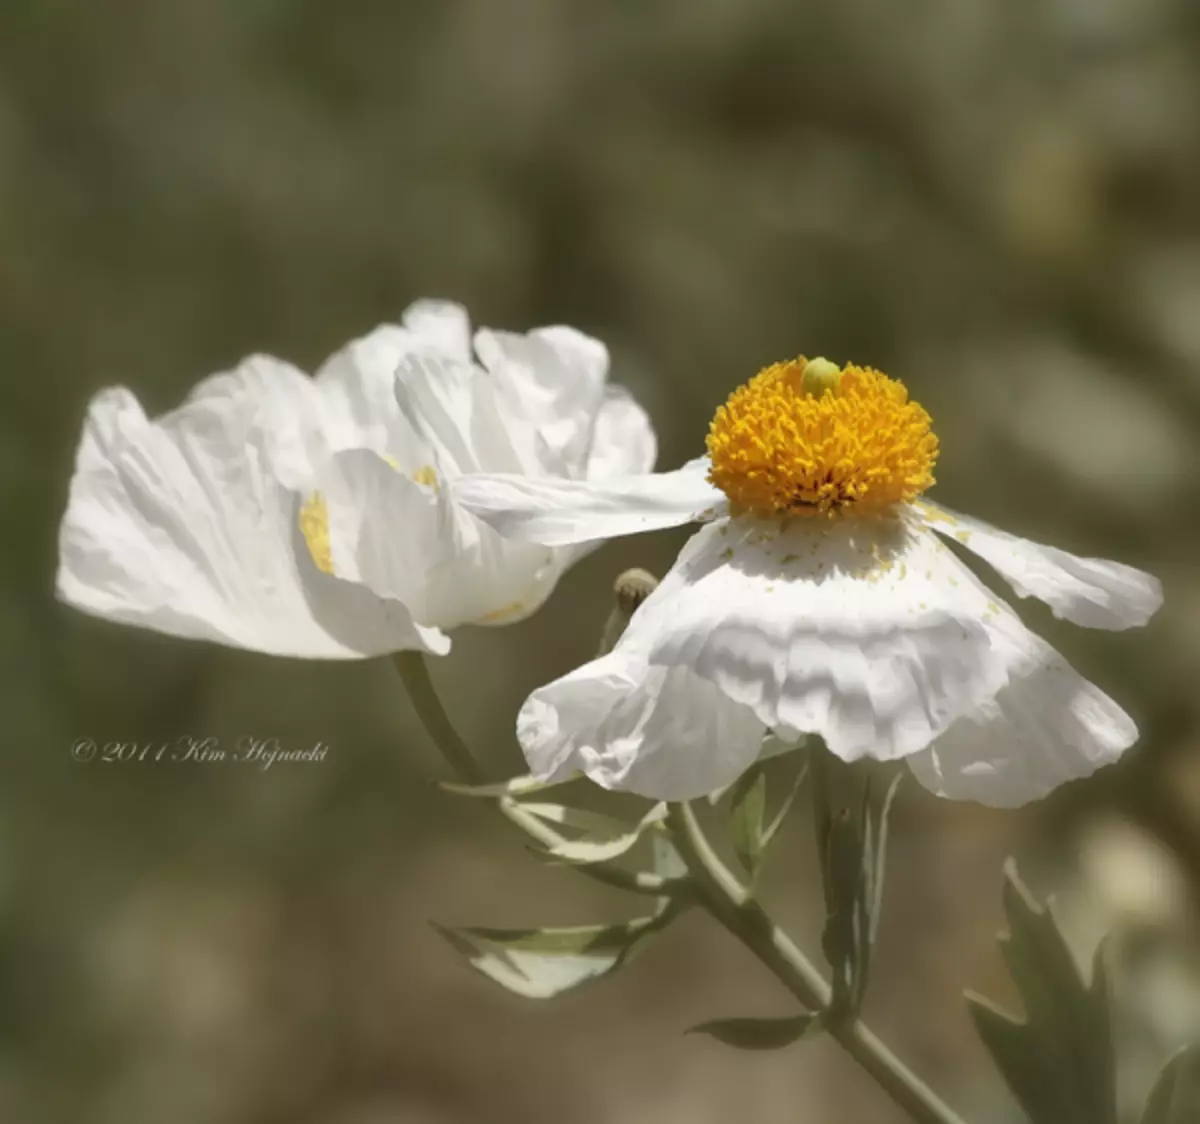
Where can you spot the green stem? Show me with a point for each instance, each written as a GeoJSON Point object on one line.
{"type": "Point", "coordinates": [733, 905]}
{"type": "Point", "coordinates": [718, 890]}
{"type": "Point", "coordinates": [414, 673]}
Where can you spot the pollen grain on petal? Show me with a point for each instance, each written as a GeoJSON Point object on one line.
{"type": "Point", "coordinates": [314, 526]}
{"type": "Point", "coordinates": [848, 441]}
{"type": "Point", "coordinates": [426, 476]}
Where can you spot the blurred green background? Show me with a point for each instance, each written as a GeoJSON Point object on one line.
{"type": "Point", "coordinates": [996, 200]}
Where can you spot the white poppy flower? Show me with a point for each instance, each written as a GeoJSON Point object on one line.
{"type": "Point", "coordinates": [820, 598]}
{"type": "Point", "coordinates": [245, 515]}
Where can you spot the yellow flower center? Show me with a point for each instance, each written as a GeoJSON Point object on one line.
{"type": "Point", "coordinates": [806, 437]}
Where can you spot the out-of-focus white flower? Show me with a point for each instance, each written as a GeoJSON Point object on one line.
{"type": "Point", "coordinates": [307, 516]}
{"type": "Point", "coordinates": [820, 598]}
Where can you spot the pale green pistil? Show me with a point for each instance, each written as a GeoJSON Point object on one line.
{"type": "Point", "coordinates": [819, 376]}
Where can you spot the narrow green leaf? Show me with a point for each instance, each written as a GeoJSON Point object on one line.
{"type": "Point", "coordinates": [821, 762]}
{"type": "Point", "coordinates": [863, 903]}
{"type": "Point", "coordinates": [879, 857]}
{"type": "Point", "coordinates": [843, 935]}
{"type": "Point", "coordinates": [604, 846]}
{"type": "Point", "coordinates": [515, 786]}
{"type": "Point", "coordinates": [666, 862]}
{"type": "Point", "coordinates": [851, 876]}
{"type": "Point", "coordinates": [773, 827]}
{"type": "Point", "coordinates": [853, 850]}
{"type": "Point", "coordinates": [747, 812]}
{"type": "Point", "coordinates": [772, 746]}
{"type": "Point", "coordinates": [564, 939]}
{"type": "Point", "coordinates": [760, 1034]}
{"type": "Point", "coordinates": [542, 963]}
{"type": "Point", "coordinates": [594, 823]}
{"type": "Point", "coordinates": [1175, 1098]}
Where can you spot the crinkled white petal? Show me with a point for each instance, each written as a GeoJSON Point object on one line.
{"type": "Point", "coordinates": [623, 444]}
{"type": "Point", "coordinates": [559, 512]}
{"type": "Point", "coordinates": [552, 378]}
{"type": "Point", "coordinates": [623, 441]}
{"type": "Point", "coordinates": [660, 732]}
{"type": "Point", "coordinates": [188, 526]}
{"type": "Point", "coordinates": [358, 389]}
{"type": "Point", "coordinates": [451, 405]}
{"type": "Point", "coordinates": [871, 633]}
{"type": "Point", "coordinates": [191, 524]}
{"type": "Point", "coordinates": [440, 326]}
{"type": "Point", "coordinates": [1046, 726]}
{"type": "Point", "coordinates": [1091, 592]}
{"type": "Point", "coordinates": [406, 539]}
{"type": "Point", "coordinates": [1045, 729]}
{"type": "Point", "coordinates": [854, 630]}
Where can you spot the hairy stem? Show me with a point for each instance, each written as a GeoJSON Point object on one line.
{"type": "Point", "coordinates": [732, 904]}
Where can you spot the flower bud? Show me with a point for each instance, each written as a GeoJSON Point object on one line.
{"type": "Point", "coordinates": [629, 591]}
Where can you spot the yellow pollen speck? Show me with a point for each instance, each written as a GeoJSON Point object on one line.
{"type": "Point", "coordinates": [857, 444]}
{"type": "Point", "coordinates": [426, 476]}
{"type": "Point", "coordinates": [937, 515]}
{"type": "Point", "coordinates": [314, 526]}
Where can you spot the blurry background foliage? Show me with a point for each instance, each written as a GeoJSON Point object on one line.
{"type": "Point", "coordinates": [995, 200]}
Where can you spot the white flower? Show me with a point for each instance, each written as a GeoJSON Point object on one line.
{"type": "Point", "coordinates": [306, 516]}
{"type": "Point", "coordinates": [820, 598]}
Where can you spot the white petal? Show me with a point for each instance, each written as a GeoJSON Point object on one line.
{"type": "Point", "coordinates": [358, 387]}
{"type": "Point", "coordinates": [186, 526]}
{"type": "Point", "coordinates": [856, 631]}
{"type": "Point", "coordinates": [659, 732]}
{"type": "Point", "coordinates": [623, 441]}
{"type": "Point", "coordinates": [409, 541]}
{"type": "Point", "coordinates": [451, 405]}
{"type": "Point", "coordinates": [559, 512]}
{"type": "Point", "coordinates": [1091, 592]}
{"type": "Point", "coordinates": [440, 326]}
{"type": "Point", "coordinates": [554, 378]}
{"type": "Point", "coordinates": [1045, 729]}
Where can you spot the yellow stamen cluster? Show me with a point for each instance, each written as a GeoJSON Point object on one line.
{"type": "Point", "coordinates": [314, 516]}
{"type": "Point", "coordinates": [426, 476]}
{"type": "Point", "coordinates": [840, 440]}
{"type": "Point", "coordinates": [314, 526]}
